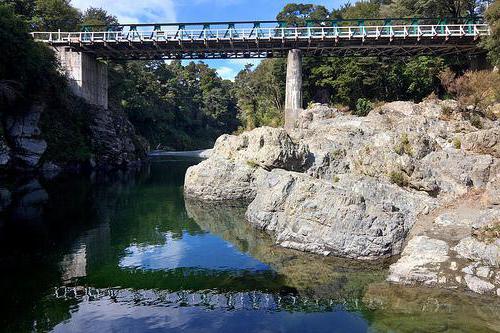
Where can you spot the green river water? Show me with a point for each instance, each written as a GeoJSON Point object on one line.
{"type": "Point", "coordinates": [125, 252]}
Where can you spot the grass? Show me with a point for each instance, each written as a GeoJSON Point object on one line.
{"type": "Point", "coordinates": [488, 233]}
{"type": "Point", "coordinates": [398, 178]}
{"type": "Point", "coordinates": [476, 121]}
{"type": "Point", "coordinates": [404, 146]}
{"type": "Point", "coordinates": [252, 164]}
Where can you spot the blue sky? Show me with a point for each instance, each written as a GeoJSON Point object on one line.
{"type": "Point", "coordinates": [147, 11]}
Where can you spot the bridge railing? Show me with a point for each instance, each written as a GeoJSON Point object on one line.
{"type": "Point", "coordinates": [288, 33]}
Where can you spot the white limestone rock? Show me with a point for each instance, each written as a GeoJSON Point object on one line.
{"type": "Point", "coordinates": [350, 219]}
{"type": "Point", "coordinates": [477, 285]}
{"type": "Point", "coordinates": [420, 261]}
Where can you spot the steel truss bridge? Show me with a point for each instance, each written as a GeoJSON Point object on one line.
{"type": "Point", "coordinates": [271, 39]}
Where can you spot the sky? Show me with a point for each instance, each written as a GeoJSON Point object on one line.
{"type": "Point", "coordinates": [149, 11]}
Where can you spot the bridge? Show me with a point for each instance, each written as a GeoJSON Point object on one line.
{"type": "Point", "coordinates": [389, 37]}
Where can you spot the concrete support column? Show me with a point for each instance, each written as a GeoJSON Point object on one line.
{"type": "Point", "coordinates": [88, 77]}
{"type": "Point", "coordinates": [293, 96]}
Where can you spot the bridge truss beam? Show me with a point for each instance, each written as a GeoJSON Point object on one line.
{"type": "Point", "coordinates": [258, 42]}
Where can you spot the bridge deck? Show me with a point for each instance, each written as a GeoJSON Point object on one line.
{"type": "Point", "coordinates": [257, 42]}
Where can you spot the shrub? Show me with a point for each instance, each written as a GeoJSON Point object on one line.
{"type": "Point", "coordinates": [363, 107]}
{"type": "Point", "coordinates": [475, 121]}
{"type": "Point", "coordinates": [488, 233]}
{"type": "Point", "coordinates": [457, 143]}
{"type": "Point", "coordinates": [404, 146]}
{"type": "Point", "coordinates": [479, 89]}
{"type": "Point", "coordinates": [335, 179]}
{"type": "Point", "coordinates": [252, 164]}
{"type": "Point", "coordinates": [398, 178]}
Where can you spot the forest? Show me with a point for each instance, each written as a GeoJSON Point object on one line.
{"type": "Point", "coordinates": [177, 105]}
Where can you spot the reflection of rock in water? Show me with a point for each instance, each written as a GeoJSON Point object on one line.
{"type": "Point", "coordinates": [411, 309]}
{"type": "Point", "coordinates": [312, 275]}
{"type": "Point", "coordinates": [30, 199]}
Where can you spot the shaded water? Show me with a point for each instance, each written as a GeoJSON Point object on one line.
{"type": "Point", "coordinates": [125, 252]}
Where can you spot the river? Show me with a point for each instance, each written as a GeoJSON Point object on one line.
{"type": "Point", "coordinates": [125, 252]}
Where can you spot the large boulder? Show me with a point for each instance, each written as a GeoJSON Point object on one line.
{"type": "Point", "coordinates": [361, 222]}
{"type": "Point", "coordinates": [237, 163]}
{"type": "Point", "coordinates": [219, 179]}
{"type": "Point", "coordinates": [266, 147]}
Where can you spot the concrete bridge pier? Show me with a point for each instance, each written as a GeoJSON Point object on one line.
{"type": "Point", "coordinates": [88, 77]}
{"type": "Point", "coordinates": [293, 96]}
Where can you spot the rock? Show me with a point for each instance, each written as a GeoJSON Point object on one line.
{"type": "Point", "coordinates": [25, 135]}
{"type": "Point", "coordinates": [4, 153]}
{"type": "Point", "coordinates": [238, 162]}
{"type": "Point", "coordinates": [477, 285]}
{"type": "Point", "coordinates": [316, 113]}
{"type": "Point", "coordinates": [266, 147]}
{"type": "Point", "coordinates": [491, 196]}
{"type": "Point", "coordinates": [455, 172]}
{"type": "Point", "coordinates": [113, 139]}
{"type": "Point", "coordinates": [420, 261]}
{"type": "Point", "coordinates": [5, 198]}
{"type": "Point", "coordinates": [312, 215]}
{"type": "Point", "coordinates": [473, 249]}
{"type": "Point", "coordinates": [483, 142]}
{"type": "Point", "coordinates": [483, 271]}
{"type": "Point", "coordinates": [219, 179]}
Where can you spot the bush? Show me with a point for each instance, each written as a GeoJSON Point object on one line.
{"type": "Point", "coordinates": [363, 107]}
{"type": "Point", "coordinates": [475, 121]}
{"type": "Point", "coordinates": [457, 143]}
{"type": "Point", "coordinates": [479, 89]}
{"type": "Point", "coordinates": [404, 146]}
{"type": "Point", "coordinates": [398, 178]}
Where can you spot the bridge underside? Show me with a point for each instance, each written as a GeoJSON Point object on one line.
{"type": "Point", "coordinates": [230, 49]}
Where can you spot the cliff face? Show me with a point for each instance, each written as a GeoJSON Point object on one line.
{"type": "Point", "coordinates": [40, 137]}
{"type": "Point", "coordinates": [356, 186]}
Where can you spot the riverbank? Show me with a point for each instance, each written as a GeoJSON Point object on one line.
{"type": "Point", "coordinates": [355, 187]}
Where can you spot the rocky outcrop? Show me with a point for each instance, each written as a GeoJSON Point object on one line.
{"type": "Point", "coordinates": [109, 137]}
{"type": "Point", "coordinates": [4, 153]}
{"type": "Point", "coordinates": [353, 218]}
{"type": "Point", "coordinates": [23, 133]}
{"type": "Point", "coordinates": [356, 186]}
{"type": "Point", "coordinates": [238, 163]}
{"type": "Point", "coordinates": [113, 139]}
{"type": "Point", "coordinates": [457, 247]}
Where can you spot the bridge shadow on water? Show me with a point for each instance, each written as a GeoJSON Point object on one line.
{"type": "Point", "coordinates": [126, 252]}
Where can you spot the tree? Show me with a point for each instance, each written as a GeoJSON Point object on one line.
{"type": "Point", "coordinates": [492, 43]}
{"type": "Point", "coordinates": [434, 8]}
{"type": "Point", "coordinates": [52, 15]}
{"type": "Point", "coordinates": [26, 67]}
{"type": "Point", "coordinates": [296, 14]}
{"type": "Point", "coordinates": [98, 16]}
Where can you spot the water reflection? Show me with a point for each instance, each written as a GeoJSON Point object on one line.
{"type": "Point", "coordinates": [201, 251]}
{"type": "Point", "coordinates": [126, 252]}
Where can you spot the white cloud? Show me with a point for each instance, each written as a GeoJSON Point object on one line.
{"type": "Point", "coordinates": [227, 73]}
{"type": "Point", "coordinates": [134, 11]}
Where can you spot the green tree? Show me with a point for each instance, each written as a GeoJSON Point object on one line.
{"type": "Point", "coordinates": [98, 16]}
{"type": "Point", "coordinates": [296, 14]}
{"type": "Point", "coordinates": [492, 43]}
{"type": "Point", "coordinates": [52, 15]}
